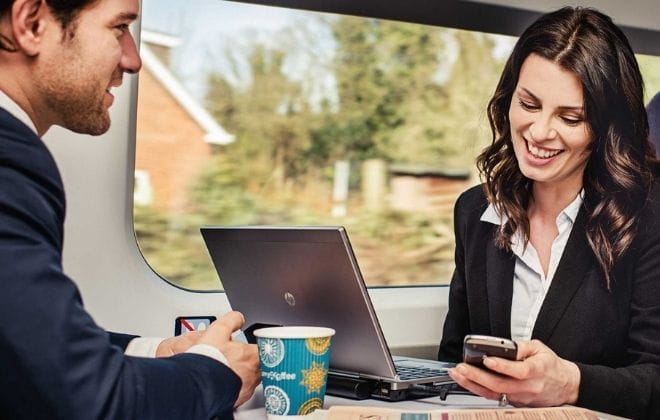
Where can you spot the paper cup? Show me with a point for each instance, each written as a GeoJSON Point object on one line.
{"type": "Point", "coordinates": [294, 365]}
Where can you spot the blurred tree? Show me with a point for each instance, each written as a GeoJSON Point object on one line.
{"type": "Point", "coordinates": [462, 118]}
{"type": "Point", "coordinates": [649, 65]}
{"type": "Point", "coordinates": [221, 193]}
{"type": "Point", "coordinates": [173, 246]}
{"type": "Point", "coordinates": [269, 117]}
{"type": "Point", "coordinates": [371, 63]}
{"type": "Point", "coordinates": [391, 103]}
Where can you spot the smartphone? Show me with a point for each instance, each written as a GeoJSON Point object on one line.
{"type": "Point", "coordinates": [476, 347]}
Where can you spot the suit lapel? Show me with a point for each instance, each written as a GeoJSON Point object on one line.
{"type": "Point", "coordinates": [573, 266]}
{"type": "Point", "coordinates": [499, 283]}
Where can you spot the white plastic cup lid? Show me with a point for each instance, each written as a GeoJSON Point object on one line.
{"type": "Point", "coordinates": [294, 332]}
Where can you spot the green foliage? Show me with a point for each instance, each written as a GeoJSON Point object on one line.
{"type": "Point", "coordinates": [650, 67]}
{"type": "Point", "coordinates": [379, 67]}
{"type": "Point", "coordinates": [462, 123]}
{"type": "Point", "coordinates": [390, 103]}
{"type": "Point", "coordinates": [221, 193]}
{"type": "Point", "coordinates": [270, 118]}
{"type": "Point", "coordinates": [173, 246]}
{"type": "Point", "coordinates": [392, 106]}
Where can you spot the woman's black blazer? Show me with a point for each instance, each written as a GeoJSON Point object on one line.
{"type": "Point", "coordinates": [613, 336]}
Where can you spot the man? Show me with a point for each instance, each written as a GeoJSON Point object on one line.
{"type": "Point", "coordinates": [59, 60]}
{"type": "Point", "coordinates": [653, 111]}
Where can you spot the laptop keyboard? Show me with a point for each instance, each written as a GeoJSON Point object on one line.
{"type": "Point", "coordinates": [406, 373]}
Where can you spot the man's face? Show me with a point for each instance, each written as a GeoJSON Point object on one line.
{"type": "Point", "coordinates": [75, 74]}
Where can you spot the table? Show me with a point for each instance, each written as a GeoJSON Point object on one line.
{"type": "Point", "coordinates": [254, 409]}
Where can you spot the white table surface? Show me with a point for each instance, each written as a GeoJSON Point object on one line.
{"type": "Point", "coordinates": [254, 408]}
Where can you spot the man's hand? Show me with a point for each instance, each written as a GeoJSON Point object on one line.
{"type": "Point", "coordinates": [243, 358]}
{"type": "Point", "coordinates": [538, 378]}
{"type": "Point", "coordinates": [178, 344]}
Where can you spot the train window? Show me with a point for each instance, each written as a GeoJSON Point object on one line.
{"type": "Point", "coordinates": [649, 65]}
{"type": "Point", "coordinates": [251, 114]}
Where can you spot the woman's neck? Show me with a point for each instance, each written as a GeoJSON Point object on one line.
{"type": "Point", "coordinates": [549, 200]}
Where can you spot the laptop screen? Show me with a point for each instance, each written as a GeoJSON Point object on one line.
{"type": "Point", "coordinates": [302, 276]}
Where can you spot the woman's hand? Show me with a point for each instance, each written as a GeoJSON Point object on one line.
{"type": "Point", "coordinates": [538, 378]}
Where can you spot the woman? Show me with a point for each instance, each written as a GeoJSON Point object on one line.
{"type": "Point", "coordinates": [570, 218]}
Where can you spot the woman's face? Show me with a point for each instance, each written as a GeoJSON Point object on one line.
{"type": "Point", "coordinates": [549, 133]}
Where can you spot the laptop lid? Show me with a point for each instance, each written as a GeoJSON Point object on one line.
{"type": "Point", "coordinates": [302, 276]}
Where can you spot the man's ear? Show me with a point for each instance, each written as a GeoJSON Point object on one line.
{"type": "Point", "coordinates": [29, 22]}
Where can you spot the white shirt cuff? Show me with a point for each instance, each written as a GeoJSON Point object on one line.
{"type": "Point", "coordinates": [143, 346]}
{"type": "Point", "coordinates": [147, 346]}
{"type": "Point", "coordinates": [209, 351]}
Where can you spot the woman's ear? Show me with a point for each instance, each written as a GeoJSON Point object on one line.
{"type": "Point", "coordinates": [29, 21]}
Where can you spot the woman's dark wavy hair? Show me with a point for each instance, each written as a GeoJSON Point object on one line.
{"type": "Point", "coordinates": [617, 176]}
{"type": "Point", "coordinates": [66, 12]}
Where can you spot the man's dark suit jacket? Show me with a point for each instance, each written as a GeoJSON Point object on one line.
{"type": "Point", "coordinates": [614, 337]}
{"type": "Point", "coordinates": [653, 112]}
{"type": "Point", "coordinates": [55, 362]}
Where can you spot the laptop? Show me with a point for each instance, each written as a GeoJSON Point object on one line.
{"type": "Point", "coordinates": [279, 275]}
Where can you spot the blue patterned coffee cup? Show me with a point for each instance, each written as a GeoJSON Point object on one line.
{"type": "Point", "coordinates": [294, 365]}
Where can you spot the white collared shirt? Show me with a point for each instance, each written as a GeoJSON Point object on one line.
{"type": "Point", "coordinates": [140, 346]}
{"type": "Point", "coordinates": [12, 107]}
{"type": "Point", "coordinates": [530, 284]}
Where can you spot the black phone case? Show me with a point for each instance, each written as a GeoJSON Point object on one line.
{"type": "Point", "coordinates": [475, 353]}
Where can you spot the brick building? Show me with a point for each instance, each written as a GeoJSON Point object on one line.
{"type": "Point", "coordinates": [417, 188]}
{"type": "Point", "coordinates": [175, 134]}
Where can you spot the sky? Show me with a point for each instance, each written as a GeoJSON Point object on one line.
{"type": "Point", "coordinates": [213, 27]}
{"type": "Point", "coordinates": [218, 16]}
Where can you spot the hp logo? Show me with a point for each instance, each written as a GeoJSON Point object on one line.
{"type": "Point", "coordinates": [288, 297]}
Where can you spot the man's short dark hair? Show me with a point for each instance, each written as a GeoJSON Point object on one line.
{"type": "Point", "coordinates": [65, 11]}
